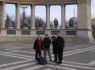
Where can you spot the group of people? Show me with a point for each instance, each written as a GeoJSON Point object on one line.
{"type": "Point", "coordinates": [44, 45]}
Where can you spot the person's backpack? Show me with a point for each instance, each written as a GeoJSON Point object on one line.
{"type": "Point", "coordinates": [41, 61]}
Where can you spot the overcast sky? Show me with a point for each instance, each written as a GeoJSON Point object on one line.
{"type": "Point", "coordinates": [55, 11]}
{"type": "Point", "coordinates": [93, 8]}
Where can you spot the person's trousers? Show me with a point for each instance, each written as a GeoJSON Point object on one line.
{"type": "Point", "coordinates": [55, 57]}
{"type": "Point", "coordinates": [60, 55]}
{"type": "Point", "coordinates": [45, 54]}
{"type": "Point", "coordinates": [37, 54]}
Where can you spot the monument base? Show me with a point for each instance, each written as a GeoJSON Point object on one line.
{"type": "Point", "coordinates": [29, 39]}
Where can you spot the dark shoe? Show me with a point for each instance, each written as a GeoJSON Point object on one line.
{"type": "Point", "coordinates": [36, 58]}
{"type": "Point", "coordinates": [51, 60]}
{"type": "Point", "coordinates": [59, 62]}
{"type": "Point", "coordinates": [54, 61]}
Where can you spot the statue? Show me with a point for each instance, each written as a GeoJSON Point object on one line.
{"type": "Point", "coordinates": [55, 23]}
{"type": "Point", "coordinates": [71, 23]}
{"type": "Point", "coordinates": [39, 23]}
{"type": "Point", "coordinates": [9, 22]}
{"type": "Point", "coordinates": [25, 20]}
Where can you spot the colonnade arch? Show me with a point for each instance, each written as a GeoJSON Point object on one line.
{"type": "Point", "coordinates": [84, 31]}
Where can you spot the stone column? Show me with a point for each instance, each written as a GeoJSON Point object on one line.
{"type": "Point", "coordinates": [18, 31]}
{"type": "Point", "coordinates": [48, 16]}
{"type": "Point", "coordinates": [84, 32]}
{"type": "Point", "coordinates": [18, 16]}
{"type": "Point", "coordinates": [63, 21]}
{"type": "Point", "coordinates": [3, 17]}
{"type": "Point", "coordinates": [3, 31]}
{"type": "Point", "coordinates": [33, 17]}
{"type": "Point", "coordinates": [33, 32]}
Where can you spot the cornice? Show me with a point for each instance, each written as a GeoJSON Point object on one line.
{"type": "Point", "coordinates": [41, 1]}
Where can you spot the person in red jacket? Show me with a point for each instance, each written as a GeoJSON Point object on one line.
{"type": "Point", "coordinates": [38, 46]}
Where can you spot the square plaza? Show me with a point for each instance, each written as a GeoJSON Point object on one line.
{"type": "Point", "coordinates": [20, 56]}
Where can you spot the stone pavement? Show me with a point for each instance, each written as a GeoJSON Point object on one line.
{"type": "Point", "coordinates": [20, 56]}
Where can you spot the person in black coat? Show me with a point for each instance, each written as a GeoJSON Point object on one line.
{"type": "Point", "coordinates": [60, 46]}
{"type": "Point", "coordinates": [46, 46]}
{"type": "Point", "coordinates": [38, 46]}
{"type": "Point", "coordinates": [54, 48]}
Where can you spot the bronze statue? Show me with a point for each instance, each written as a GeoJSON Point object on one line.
{"type": "Point", "coordinates": [55, 23]}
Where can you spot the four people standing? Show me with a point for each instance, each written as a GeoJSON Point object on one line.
{"type": "Point", "coordinates": [58, 47]}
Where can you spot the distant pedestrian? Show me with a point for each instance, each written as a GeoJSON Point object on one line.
{"type": "Point", "coordinates": [38, 46]}
{"type": "Point", "coordinates": [46, 46]}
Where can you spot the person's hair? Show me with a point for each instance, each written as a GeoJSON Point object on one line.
{"type": "Point", "coordinates": [53, 37]}
{"type": "Point", "coordinates": [46, 34]}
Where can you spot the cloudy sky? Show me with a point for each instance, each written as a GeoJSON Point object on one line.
{"type": "Point", "coordinates": [55, 11]}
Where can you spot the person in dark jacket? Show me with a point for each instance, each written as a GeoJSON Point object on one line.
{"type": "Point", "coordinates": [54, 48]}
{"type": "Point", "coordinates": [60, 46]}
{"type": "Point", "coordinates": [38, 46]}
{"type": "Point", "coordinates": [46, 46]}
